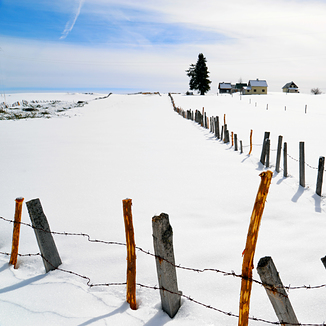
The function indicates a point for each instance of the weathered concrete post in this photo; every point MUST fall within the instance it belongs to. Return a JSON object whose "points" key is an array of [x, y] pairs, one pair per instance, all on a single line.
{"points": [[285, 160], [49, 252], [321, 166], [235, 142], [165, 264], [302, 164], [263, 151], [276, 292], [267, 150], [278, 155], [217, 127]]}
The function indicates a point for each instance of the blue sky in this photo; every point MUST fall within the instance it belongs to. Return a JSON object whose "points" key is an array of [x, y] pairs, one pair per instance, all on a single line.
{"points": [[148, 45]]}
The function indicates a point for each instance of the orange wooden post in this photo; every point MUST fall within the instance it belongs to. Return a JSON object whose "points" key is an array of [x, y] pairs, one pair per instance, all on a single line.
{"points": [[224, 118], [232, 137], [16, 232], [131, 255], [250, 142], [249, 252]]}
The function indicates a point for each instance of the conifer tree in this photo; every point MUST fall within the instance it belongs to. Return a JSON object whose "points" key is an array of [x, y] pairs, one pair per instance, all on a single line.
{"points": [[199, 75]]}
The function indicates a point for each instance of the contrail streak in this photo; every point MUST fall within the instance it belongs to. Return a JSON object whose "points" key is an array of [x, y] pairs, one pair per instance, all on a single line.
{"points": [[70, 24]]}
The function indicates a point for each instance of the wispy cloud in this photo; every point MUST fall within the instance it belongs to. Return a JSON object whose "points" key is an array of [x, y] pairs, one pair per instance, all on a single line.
{"points": [[71, 23]]}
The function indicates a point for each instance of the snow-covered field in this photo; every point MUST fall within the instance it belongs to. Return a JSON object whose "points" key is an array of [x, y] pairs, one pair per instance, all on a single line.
{"points": [[82, 165]]}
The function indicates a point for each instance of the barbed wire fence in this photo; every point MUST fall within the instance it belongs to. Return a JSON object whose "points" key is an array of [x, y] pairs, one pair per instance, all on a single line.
{"points": [[189, 115], [90, 284]]}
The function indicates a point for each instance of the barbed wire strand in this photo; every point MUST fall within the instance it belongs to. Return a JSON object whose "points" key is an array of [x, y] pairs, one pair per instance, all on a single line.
{"points": [[187, 297], [224, 273]]}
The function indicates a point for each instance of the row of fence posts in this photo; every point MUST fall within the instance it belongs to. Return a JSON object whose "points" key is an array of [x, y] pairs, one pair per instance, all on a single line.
{"points": [[165, 261], [164, 256], [162, 240], [213, 124], [265, 160]]}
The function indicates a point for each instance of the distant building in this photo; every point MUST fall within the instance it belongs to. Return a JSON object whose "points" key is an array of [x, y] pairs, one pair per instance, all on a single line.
{"points": [[255, 87], [239, 86], [225, 88], [290, 87]]}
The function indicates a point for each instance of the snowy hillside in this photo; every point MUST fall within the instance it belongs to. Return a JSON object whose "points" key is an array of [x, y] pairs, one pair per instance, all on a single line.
{"points": [[136, 146]]}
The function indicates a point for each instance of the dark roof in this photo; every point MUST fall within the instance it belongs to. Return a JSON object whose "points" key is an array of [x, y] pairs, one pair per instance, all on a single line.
{"points": [[290, 85], [224, 85]]}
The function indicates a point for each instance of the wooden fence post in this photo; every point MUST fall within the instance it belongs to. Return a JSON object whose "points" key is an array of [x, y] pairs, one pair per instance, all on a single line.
{"points": [[263, 151], [302, 164], [321, 166], [165, 264], [285, 160], [276, 292], [16, 232], [49, 252], [278, 155], [235, 142], [249, 252], [250, 142], [131, 255], [241, 147], [217, 128], [222, 133], [267, 150], [232, 138]]}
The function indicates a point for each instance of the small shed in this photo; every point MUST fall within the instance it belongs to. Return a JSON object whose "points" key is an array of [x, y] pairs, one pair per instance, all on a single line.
{"points": [[255, 87], [225, 88], [290, 87]]}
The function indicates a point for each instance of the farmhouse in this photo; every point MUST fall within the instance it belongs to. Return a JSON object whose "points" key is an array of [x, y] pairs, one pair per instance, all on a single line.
{"points": [[255, 87], [225, 88], [290, 87]]}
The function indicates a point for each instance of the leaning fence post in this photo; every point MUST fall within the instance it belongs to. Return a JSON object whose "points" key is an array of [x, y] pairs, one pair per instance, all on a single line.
{"points": [[321, 166], [16, 231], [263, 151], [49, 252], [222, 133], [131, 255], [165, 264], [249, 252], [276, 292], [302, 164], [241, 147], [285, 160], [278, 155]]}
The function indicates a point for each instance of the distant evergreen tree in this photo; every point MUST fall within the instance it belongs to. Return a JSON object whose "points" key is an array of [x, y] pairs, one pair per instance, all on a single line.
{"points": [[199, 76]]}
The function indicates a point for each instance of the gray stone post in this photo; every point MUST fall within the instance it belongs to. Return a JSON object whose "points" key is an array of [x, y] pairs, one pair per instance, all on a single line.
{"points": [[165, 264], [49, 252]]}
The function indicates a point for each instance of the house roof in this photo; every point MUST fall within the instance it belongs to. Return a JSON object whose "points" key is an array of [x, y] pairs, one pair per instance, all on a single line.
{"points": [[224, 86], [290, 85], [257, 83]]}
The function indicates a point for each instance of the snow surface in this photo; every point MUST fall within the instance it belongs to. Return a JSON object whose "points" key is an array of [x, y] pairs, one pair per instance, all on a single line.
{"points": [[136, 146]]}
